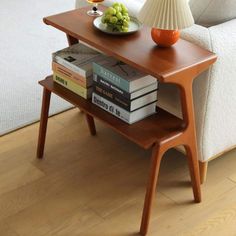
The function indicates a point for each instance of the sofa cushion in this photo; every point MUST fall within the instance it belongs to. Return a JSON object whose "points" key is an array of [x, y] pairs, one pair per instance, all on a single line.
{"points": [[212, 12]]}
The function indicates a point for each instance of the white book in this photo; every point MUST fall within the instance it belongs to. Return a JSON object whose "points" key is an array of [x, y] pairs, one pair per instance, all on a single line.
{"points": [[78, 58], [128, 117]]}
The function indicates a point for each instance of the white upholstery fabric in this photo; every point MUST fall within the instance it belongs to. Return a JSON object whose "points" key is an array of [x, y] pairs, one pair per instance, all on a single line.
{"points": [[220, 125], [212, 12], [214, 90]]}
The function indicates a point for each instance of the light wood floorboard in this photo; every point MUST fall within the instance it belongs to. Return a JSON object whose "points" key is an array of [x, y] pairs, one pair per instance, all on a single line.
{"points": [[95, 186]]}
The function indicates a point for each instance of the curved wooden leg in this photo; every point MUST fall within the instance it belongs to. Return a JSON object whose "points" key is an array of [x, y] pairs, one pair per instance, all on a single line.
{"points": [[190, 135], [43, 122], [191, 151], [91, 124], [203, 171], [157, 154]]}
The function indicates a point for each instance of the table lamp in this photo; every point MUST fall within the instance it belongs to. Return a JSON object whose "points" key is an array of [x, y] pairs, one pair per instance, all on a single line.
{"points": [[166, 17]]}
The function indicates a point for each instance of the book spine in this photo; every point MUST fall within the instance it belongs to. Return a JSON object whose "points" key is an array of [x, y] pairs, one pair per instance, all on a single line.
{"points": [[112, 97], [71, 67], [111, 77], [75, 77], [110, 86], [111, 108], [70, 85]]}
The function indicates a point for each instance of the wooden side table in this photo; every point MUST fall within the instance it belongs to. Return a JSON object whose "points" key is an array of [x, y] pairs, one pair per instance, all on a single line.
{"points": [[178, 65]]}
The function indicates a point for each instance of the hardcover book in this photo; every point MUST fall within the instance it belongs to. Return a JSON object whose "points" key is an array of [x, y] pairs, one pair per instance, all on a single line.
{"points": [[119, 91], [128, 117], [129, 105], [69, 74], [78, 58], [70, 85], [122, 75]]}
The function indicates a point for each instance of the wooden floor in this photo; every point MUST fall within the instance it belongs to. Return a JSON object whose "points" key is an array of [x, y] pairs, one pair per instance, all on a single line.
{"points": [[95, 186]]}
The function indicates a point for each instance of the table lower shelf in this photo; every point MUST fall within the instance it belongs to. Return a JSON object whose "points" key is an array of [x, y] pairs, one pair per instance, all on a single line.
{"points": [[153, 129]]}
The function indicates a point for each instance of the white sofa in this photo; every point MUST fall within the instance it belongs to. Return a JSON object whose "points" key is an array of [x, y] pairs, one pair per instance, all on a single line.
{"points": [[215, 89]]}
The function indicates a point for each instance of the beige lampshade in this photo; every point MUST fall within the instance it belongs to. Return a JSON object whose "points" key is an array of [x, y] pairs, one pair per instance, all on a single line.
{"points": [[166, 14]]}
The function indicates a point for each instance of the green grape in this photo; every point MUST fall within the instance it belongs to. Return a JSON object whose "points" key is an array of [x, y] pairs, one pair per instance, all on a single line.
{"points": [[124, 8], [119, 28], [118, 8], [119, 16], [114, 11], [116, 4], [125, 23], [111, 11], [125, 29], [107, 18], [128, 18], [108, 11], [122, 5], [113, 20]]}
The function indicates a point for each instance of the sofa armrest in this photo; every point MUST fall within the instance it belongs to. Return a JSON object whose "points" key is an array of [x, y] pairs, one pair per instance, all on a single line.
{"points": [[198, 35], [215, 93]]}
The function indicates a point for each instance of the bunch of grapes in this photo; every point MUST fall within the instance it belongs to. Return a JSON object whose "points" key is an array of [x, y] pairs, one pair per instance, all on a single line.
{"points": [[117, 17]]}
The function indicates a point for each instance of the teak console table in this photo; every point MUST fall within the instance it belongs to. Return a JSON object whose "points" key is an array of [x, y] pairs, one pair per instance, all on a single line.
{"points": [[177, 65]]}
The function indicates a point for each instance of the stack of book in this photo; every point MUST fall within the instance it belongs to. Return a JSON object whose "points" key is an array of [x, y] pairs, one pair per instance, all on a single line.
{"points": [[72, 68], [123, 91]]}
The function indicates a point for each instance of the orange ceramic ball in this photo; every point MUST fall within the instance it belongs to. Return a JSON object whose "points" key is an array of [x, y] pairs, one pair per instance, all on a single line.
{"points": [[165, 38]]}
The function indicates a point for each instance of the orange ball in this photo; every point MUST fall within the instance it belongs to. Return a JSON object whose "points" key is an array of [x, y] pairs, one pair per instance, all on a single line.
{"points": [[165, 38]]}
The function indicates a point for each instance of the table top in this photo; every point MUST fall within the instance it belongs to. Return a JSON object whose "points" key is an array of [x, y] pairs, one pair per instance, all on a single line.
{"points": [[136, 49]]}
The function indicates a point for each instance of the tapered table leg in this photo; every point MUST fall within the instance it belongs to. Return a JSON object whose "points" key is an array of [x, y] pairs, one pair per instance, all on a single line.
{"points": [[190, 142], [91, 124], [191, 151], [188, 139], [43, 122], [151, 188]]}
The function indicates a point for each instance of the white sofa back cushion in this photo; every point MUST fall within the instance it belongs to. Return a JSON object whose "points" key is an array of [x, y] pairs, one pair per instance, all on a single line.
{"points": [[212, 12]]}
